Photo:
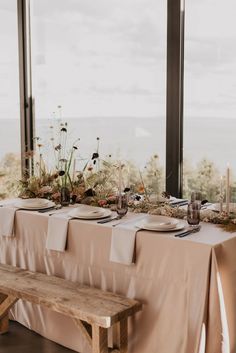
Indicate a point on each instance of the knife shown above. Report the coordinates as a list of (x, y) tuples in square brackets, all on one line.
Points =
[(57, 207), (179, 203)]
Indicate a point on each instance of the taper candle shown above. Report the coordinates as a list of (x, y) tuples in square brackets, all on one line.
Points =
[(120, 178), (221, 194), (227, 188)]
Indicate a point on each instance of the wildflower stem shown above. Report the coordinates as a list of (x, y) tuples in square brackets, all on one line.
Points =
[(144, 188)]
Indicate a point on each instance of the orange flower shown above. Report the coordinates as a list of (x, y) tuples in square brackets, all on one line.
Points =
[(141, 189)]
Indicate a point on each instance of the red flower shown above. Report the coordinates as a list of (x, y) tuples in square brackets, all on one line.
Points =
[(102, 203)]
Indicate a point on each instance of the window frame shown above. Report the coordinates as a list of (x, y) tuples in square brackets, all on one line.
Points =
[(174, 92), (25, 83)]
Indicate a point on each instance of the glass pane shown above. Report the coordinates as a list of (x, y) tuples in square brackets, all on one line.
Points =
[(104, 63), (9, 99), (210, 95)]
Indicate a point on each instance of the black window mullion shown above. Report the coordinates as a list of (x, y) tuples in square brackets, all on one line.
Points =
[(26, 101), (174, 99)]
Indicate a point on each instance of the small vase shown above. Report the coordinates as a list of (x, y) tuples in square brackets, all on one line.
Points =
[(65, 196)]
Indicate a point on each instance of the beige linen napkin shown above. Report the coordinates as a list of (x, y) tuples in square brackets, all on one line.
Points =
[(123, 244), (7, 218), (57, 232)]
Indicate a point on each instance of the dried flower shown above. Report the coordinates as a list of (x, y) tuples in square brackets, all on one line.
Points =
[(95, 155), (102, 203), (89, 192), (58, 147), (29, 154), (45, 190)]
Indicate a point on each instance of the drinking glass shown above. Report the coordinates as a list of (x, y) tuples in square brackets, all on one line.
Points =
[(122, 205), (196, 196), (193, 213)]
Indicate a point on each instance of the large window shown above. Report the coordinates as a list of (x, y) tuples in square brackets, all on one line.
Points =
[(100, 66), (104, 64), (9, 99), (210, 94)]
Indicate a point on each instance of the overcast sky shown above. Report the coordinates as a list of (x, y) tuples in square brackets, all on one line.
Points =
[(107, 58)]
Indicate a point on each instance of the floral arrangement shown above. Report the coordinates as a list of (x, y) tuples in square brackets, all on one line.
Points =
[(228, 222), (97, 181)]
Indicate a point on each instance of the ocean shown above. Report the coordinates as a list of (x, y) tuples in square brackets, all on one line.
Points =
[(135, 139)]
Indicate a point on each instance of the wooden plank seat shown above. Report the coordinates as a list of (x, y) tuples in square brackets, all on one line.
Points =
[(93, 310)]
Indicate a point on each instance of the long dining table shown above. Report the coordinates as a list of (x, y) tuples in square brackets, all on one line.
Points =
[(187, 285)]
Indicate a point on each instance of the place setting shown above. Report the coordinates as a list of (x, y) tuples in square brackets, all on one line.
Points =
[(161, 224)]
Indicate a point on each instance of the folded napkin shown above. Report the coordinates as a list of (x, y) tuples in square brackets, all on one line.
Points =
[(123, 244), (57, 232), (7, 218)]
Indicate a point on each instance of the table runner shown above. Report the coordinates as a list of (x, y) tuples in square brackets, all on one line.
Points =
[(176, 279)]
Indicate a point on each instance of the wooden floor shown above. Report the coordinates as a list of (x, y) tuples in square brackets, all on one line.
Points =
[(21, 340)]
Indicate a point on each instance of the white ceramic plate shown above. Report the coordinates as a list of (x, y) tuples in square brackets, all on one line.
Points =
[(92, 213), (34, 202), (24, 205), (160, 222), (144, 225)]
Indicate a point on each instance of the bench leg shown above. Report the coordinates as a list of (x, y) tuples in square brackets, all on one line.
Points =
[(99, 339), (120, 337), (4, 324), (6, 302)]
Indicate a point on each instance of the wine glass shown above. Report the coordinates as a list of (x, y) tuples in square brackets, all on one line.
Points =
[(122, 205)]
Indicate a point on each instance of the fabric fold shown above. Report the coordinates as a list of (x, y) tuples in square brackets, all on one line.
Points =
[(123, 244), (7, 219), (57, 232)]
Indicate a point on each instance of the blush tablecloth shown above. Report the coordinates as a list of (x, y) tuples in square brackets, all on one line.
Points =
[(179, 281)]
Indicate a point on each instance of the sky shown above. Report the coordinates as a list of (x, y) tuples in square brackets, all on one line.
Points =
[(210, 58), (110, 58), (107, 58)]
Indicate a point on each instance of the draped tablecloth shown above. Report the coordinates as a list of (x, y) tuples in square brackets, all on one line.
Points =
[(180, 281)]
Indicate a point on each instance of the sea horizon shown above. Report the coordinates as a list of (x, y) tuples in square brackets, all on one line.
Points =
[(134, 138)]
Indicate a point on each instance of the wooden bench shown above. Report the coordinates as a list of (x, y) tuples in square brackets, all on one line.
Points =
[(93, 310)]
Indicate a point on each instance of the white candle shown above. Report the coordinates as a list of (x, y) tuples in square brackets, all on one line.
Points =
[(227, 188), (74, 170), (221, 194), (40, 165), (120, 178)]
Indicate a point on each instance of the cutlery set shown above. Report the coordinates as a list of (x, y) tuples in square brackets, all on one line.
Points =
[(178, 203), (195, 229), (53, 208), (109, 220)]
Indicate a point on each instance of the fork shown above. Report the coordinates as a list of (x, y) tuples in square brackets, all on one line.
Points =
[(54, 208), (188, 232)]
